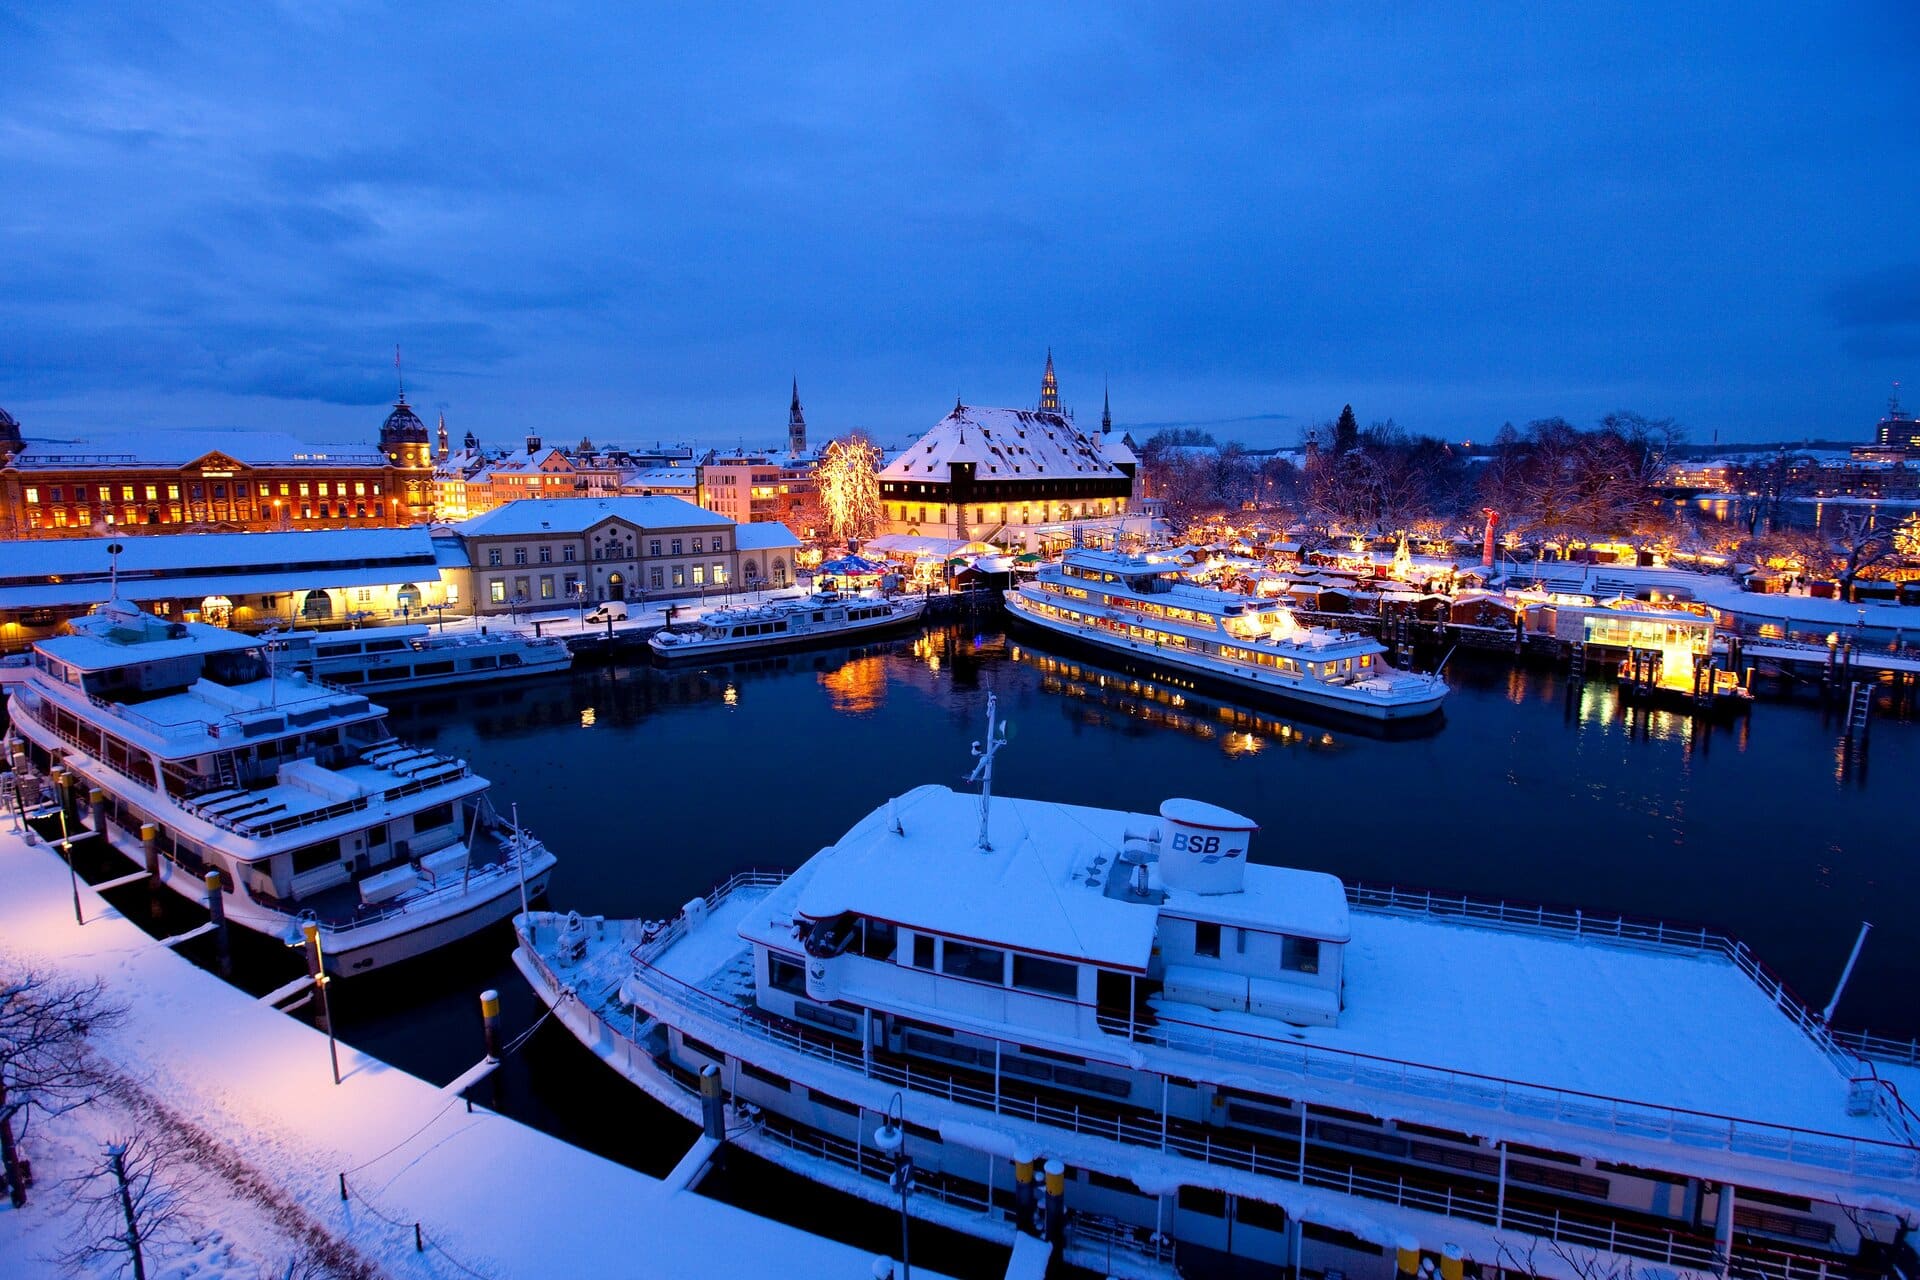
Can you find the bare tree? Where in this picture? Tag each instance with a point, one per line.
(1861, 544)
(133, 1205)
(43, 1063)
(1578, 1261)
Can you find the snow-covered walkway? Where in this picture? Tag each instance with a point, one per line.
(273, 1135)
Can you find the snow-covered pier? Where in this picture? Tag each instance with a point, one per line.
(385, 1174)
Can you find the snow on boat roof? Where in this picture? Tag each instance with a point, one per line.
(1042, 886)
(124, 637)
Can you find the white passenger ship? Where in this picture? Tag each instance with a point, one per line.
(1140, 607)
(820, 618)
(405, 657)
(291, 788)
(1215, 1063)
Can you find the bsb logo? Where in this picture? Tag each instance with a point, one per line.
(1207, 846)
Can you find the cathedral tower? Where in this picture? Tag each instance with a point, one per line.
(1049, 388)
(796, 424)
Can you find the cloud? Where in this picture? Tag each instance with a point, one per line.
(1878, 312)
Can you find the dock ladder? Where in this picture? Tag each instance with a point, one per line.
(1859, 711)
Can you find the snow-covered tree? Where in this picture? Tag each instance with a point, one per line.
(43, 1063)
(132, 1205)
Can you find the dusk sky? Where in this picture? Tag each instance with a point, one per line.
(583, 220)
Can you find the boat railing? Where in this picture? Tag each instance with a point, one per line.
(327, 813)
(528, 848)
(751, 878)
(1866, 1045)
(1225, 1148)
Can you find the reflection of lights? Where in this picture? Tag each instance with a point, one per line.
(1242, 744)
(857, 687)
(731, 697)
(933, 663)
(586, 717)
(1326, 739)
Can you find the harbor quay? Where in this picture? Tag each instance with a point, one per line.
(381, 1173)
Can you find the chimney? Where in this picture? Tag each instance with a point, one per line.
(1204, 847)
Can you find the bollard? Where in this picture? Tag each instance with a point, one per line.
(1056, 1199)
(1452, 1262)
(217, 912)
(712, 1119)
(97, 811)
(490, 1022)
(1023, 1189)
(63, 788)
(150, 853)
(1406, 1258)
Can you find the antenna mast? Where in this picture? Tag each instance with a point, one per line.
(983, 772)
(399, 375)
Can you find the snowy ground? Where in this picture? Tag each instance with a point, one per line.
(267, 1134)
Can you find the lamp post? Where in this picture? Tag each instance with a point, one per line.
(891, 1139)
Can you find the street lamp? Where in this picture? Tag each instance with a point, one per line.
(891, 1139)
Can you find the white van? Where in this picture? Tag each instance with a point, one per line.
(611, 611)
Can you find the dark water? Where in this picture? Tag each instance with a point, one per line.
(653, 785)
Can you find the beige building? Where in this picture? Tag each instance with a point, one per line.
(552, 553)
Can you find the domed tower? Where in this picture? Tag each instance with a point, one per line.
(12, 443)
(409, 450)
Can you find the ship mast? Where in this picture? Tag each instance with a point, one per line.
(983, 772)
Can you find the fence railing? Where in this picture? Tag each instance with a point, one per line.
(1225, 1149)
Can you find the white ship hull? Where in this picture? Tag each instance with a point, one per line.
(1272, 684)
(701, 649)
(411, 683)
(412, 928)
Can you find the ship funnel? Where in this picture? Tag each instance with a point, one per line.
(1204, 847)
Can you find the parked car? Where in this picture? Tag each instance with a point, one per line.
(610, 611)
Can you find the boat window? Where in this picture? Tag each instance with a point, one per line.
(385, 646)
(923, 950)
(980, 964)
(878, 940)
(739, 631)
(1203, 1200)
(784, 975)
(1053, 977)
(509, 659)
(1302, 955)
(316, 856)
(439, 815)
(819, 615)
(376, 836)
(1206, 939)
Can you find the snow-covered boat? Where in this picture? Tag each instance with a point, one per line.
(288, 786)
(820, 618)
(1217, 1063)
(1138, 607)
(403, 657)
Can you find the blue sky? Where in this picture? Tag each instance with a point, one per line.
(635, 224)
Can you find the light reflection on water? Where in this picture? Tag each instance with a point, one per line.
(651, 785)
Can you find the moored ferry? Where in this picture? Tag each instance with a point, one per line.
(211, 759)
(414, 656)
(1135, 606)
(820, 618)
(1110, 1030)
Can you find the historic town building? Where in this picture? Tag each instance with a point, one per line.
(1017, 477)
(210, 482)
(546, 553)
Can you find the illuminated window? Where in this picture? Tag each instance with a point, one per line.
(719, 573)
(305, 491)
(126, 493)
(699, 575)
(497, 590)
(33, 496)
(697, 545)
(679, 576)
(359, 489)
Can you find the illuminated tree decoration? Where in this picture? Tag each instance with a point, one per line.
(849, 483)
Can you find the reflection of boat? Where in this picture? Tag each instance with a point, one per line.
(292, 789)
(1141, 608)
(1222, 1068)
(1170, 703)
(821, 618)
(392, 659)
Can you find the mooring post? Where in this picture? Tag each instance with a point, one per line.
(150, 854)
(316, 969)
(97, 811)
(713, 1120)
(217, 913)
(490, 1022)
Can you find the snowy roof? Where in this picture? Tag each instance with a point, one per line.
(1042, 886)
(118, 635)
(918, 544)
(660, 478)
(164, 447)
(36, 562)
(577, 515)
(764, 535)
(1004, 444)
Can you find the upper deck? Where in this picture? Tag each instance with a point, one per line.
(1455, 1015)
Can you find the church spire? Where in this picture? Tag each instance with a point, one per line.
(1049, 388)
(796, 424)
(1106, 411)
(443, 438)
